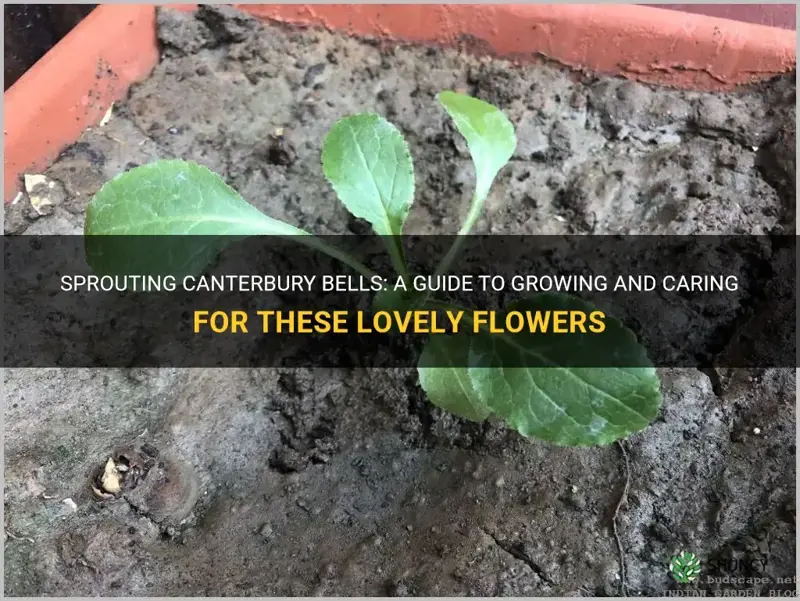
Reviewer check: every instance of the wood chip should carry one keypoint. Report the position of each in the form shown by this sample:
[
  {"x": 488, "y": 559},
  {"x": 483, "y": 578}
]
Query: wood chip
[
  {"x": 36, "y": 186},
  {"x": 111, "y": 478},
  {"x": 107, "y": 117}
]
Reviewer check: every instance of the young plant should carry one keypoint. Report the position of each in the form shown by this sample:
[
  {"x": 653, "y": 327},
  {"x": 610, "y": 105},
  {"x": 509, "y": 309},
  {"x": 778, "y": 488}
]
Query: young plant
[{"x": 368, "y": 163}]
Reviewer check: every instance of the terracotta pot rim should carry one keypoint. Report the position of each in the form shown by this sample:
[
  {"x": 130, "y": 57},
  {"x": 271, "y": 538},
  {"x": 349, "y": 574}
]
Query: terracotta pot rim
[{"x": 115, "y": 46}]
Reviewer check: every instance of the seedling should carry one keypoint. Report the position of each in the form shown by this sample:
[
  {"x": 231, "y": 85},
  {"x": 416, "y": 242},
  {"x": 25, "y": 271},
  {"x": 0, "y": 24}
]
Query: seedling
[{"x": 368, "y": 163}]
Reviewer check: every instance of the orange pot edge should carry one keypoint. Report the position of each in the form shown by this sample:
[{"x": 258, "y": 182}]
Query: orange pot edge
[{"x": 72, "y": 86}]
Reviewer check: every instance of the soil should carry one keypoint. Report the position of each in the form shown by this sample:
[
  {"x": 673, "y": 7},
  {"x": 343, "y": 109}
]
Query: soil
[{"x": 348, "y": 482}]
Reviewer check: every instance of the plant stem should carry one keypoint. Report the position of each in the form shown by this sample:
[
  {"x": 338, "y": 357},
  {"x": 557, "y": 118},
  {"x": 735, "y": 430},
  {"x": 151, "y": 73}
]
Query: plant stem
[
  {"x": 472, "y": 216},
  {"x": 332, "y": 251},
  {"x": 395, "y": 246}
]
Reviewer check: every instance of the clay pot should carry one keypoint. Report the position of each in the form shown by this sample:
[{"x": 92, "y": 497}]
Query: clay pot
[{"x": 73, "y": 85}]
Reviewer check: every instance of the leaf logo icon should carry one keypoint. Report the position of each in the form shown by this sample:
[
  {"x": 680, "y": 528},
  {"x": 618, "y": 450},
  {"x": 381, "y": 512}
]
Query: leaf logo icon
[{"x": 684, "y": 567}]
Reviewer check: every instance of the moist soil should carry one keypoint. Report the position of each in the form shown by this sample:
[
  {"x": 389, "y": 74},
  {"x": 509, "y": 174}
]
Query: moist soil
[{"x": 348, "y": 482}]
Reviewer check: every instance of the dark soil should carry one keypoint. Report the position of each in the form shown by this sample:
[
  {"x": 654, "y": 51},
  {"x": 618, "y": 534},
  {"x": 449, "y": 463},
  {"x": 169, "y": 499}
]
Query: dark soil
[
  {"x": 30, "y": 30},
  {"x": 348, "y": 482}
]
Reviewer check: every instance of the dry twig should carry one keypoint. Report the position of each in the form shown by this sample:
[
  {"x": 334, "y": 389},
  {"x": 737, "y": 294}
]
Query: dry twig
[{"x": 623, "y": 499}]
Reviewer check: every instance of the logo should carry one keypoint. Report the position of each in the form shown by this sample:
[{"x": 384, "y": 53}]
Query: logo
[{"x": 684, "y": 567}]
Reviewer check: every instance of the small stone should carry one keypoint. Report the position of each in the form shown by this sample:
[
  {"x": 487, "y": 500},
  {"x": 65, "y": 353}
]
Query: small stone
[
  {"x": 43, "y": 194},
  {"x": 149, "y": 450},
  {"x": 111, "y": 478},
  {"x": 312, "y": 73},
  {"x": 756, "y": 431},
  {"x": 266, "y": 531}
]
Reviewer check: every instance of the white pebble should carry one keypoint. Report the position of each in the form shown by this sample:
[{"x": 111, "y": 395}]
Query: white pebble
[{"x": 756, "y": 431}]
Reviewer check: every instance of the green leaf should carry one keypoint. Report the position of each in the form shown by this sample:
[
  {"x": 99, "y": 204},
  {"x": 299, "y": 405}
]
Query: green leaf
[
  {"x": 367, "y": 162},
  {"x": 491, "y": 141},
  {"x": 450, "y": 387},
  {"x": 552, "y": 401},
  {"x": 185, "y": 215},
  {"x": 391, "y": 300},
  {"x": 490, "y": 138},
  {"x": 174, "y": 197}
]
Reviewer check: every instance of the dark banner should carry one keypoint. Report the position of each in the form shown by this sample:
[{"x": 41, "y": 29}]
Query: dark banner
[{"x": 506, "y": 301}]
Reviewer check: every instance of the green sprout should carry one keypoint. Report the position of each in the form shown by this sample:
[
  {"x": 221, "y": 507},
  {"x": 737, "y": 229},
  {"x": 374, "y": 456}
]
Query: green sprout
[{"x": 368, "y": 163}]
